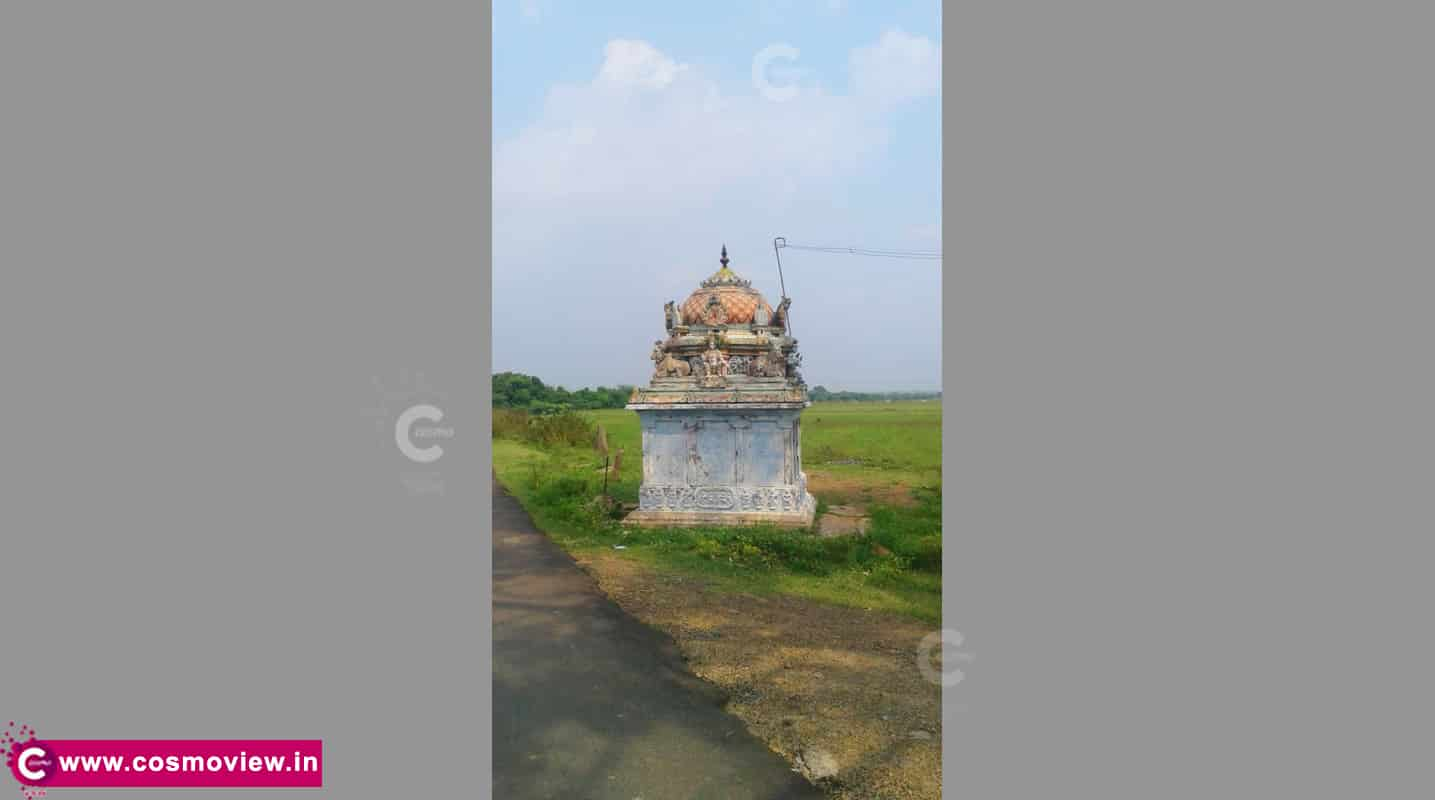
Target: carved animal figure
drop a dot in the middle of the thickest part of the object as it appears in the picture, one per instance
(671, 367)
(779, 317)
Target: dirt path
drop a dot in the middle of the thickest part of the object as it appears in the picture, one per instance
(831, 688)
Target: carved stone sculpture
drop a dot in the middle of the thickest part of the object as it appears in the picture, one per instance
(715, 314)
(794, 359)
(667, 366)
(775, 363)
(715, 364)
(674, 367)
(779, 317)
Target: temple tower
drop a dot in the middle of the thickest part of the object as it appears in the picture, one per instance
(722, 438)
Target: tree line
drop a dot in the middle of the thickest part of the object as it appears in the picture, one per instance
(516, 390)
(821, 394)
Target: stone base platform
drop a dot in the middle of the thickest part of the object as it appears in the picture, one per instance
(687, 519)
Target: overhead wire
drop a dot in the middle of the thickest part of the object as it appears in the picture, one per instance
(780, 243)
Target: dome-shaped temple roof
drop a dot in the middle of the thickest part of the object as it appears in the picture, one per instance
(724, 299)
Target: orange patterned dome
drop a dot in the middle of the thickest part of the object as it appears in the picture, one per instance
(724, 299)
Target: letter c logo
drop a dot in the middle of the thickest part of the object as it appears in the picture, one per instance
(402, 429)
(22, 763)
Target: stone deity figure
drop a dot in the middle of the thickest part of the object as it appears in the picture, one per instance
(671, 317)
(715, 364)
(715, 313)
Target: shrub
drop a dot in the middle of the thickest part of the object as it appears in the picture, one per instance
(888, 570)
(510, 423)
(566, 428)
(708, 548)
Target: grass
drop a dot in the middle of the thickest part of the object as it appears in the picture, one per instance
(895, 567)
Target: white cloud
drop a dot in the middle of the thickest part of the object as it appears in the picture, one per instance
(629, 63)
(897, 68)
(650, 135)
(619, 194)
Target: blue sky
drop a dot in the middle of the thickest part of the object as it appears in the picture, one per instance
(633, 140)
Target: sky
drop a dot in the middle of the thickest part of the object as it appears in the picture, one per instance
(632, 140)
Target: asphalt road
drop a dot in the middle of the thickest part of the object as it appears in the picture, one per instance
(590, 704)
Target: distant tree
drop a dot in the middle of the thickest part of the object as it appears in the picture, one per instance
(519, 391)
(823, 394)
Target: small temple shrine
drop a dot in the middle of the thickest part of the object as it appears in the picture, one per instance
(722, 440)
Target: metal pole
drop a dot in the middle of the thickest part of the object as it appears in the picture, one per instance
(777, 244)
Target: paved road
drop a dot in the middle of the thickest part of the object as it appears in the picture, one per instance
(590, 704)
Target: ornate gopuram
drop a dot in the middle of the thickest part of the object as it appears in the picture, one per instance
(722, 440)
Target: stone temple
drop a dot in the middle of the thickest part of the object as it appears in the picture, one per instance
(722, 442)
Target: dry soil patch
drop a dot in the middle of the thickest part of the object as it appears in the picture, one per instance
(857, 490)
(828, 687)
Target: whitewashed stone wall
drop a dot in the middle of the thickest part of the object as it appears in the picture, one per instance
(722, 460)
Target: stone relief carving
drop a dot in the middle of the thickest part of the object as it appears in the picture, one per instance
(665, 365)
(715, 313)
(715, 365)
(720, 498)
(675, 367)
(771, 364)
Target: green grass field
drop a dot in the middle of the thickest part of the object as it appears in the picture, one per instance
(884, 455)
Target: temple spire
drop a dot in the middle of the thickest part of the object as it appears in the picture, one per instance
(723, 260)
